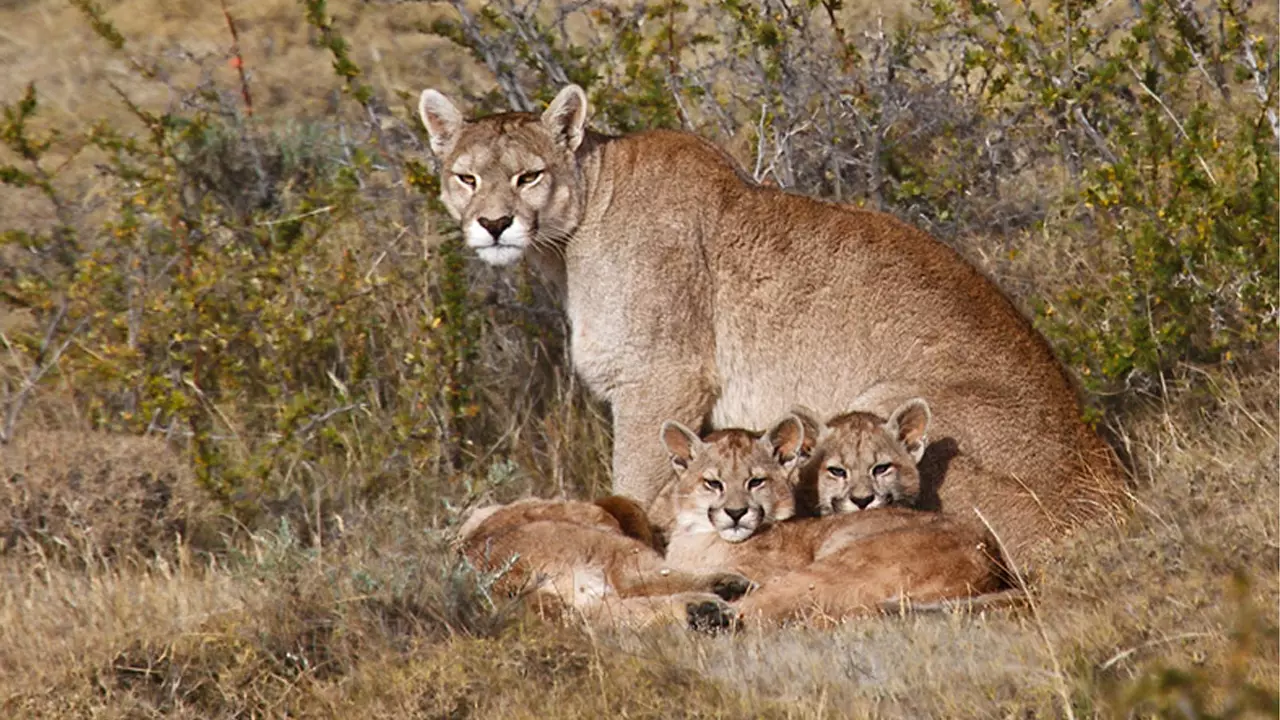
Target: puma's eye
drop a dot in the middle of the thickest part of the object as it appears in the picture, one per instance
(528, 179)
(881, 469)
(755, 483)
(713, 485)
(837, 472)
(468, 180)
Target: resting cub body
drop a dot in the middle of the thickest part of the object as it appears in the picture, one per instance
(595, 560)
(732, 490)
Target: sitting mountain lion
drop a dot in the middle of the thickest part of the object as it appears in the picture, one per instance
(694, 293)
(731, 493)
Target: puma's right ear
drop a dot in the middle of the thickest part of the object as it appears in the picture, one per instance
(910, 425)
(681, 443)
(566, 117)
(442, 119)
(786, 440)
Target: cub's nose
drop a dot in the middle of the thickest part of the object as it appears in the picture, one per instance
(495, 226)
(735, 514)
(862, 502)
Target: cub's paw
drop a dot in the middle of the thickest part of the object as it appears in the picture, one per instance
(731, 586)
(711, 616)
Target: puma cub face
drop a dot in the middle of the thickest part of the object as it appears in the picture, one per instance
(510, 182)
(861, 461)
(734, 482)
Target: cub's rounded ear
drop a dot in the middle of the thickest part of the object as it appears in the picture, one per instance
(786, 440)
(910, 425)
(442, 119)
(813, 428)
(682, 444)
(566, 117)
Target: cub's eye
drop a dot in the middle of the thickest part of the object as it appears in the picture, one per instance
(527, 179)
(755, 483)
(881, 469)
(837, 472)
(713, 485)
(465, 179)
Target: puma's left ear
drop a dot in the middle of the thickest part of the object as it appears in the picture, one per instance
(786, 440)
(566, 117)
(909, 424)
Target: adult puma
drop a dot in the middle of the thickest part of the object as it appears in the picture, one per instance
(594, 560)
(694, 293)
(731, 492)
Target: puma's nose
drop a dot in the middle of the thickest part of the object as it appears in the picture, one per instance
(735, 514)
(495, 226)
(862, 502)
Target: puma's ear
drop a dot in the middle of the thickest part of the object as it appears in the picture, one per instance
(566, 117)
(442, 120)
(813, 428)
(909, 424)
(786, 440)
(681, 443)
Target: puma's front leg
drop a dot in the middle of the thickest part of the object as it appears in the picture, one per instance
(640, 463)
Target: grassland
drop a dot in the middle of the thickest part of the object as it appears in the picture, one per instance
(132, 589)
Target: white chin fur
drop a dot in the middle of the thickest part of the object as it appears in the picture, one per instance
(736, 534)
(500, 255)
(508, 248)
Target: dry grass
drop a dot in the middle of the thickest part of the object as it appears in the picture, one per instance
(380, 620)
(49, 43)
(126, 593)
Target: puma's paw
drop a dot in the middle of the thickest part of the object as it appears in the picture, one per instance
(731, 586)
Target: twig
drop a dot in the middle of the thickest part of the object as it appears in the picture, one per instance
(38, 371)
(1035, 613)
(295, 218)
(1261, 84)
(1153, 643)
(1174, 118)
(237, 61)
(1098, 141)
(321, 418)
(517, 98)
(1002, 600)
(213, 408)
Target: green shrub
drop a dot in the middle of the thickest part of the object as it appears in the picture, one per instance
(248, 290)
(258, 290)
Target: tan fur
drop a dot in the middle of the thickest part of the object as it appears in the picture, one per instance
(574, 556)
(820, 568)
(694, 294)
(733, 468)
(862, 461)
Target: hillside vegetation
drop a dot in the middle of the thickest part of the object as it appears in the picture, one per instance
(250, 377)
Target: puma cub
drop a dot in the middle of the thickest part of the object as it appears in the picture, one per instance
(696, 294)
(595, 560)
(859, 460)
(731, 493)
